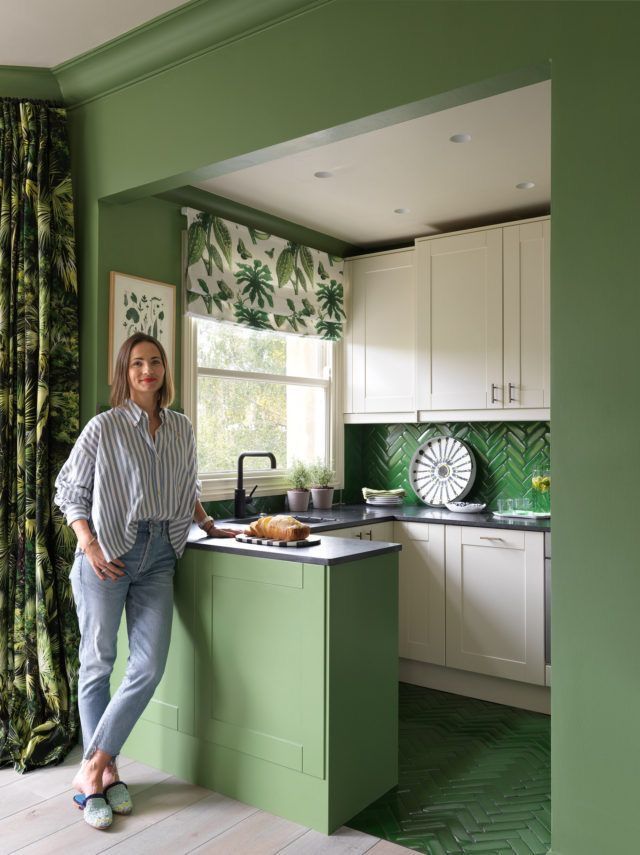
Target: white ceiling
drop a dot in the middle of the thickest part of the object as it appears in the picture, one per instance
(45, 33)
(412, 165)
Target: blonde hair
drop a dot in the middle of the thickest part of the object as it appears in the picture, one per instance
(120, 385)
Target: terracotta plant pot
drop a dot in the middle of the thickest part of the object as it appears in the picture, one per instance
(298, 500)
(322, 498)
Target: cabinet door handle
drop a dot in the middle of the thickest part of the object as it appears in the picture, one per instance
(493, 393)
(359, 534)
(369, 534)
(501, 539)
(512, 399)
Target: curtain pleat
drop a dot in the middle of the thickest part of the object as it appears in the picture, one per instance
(39, 420)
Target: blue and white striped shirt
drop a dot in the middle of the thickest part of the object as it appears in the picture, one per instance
(116, 476)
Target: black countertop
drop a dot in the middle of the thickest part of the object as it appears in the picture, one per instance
(338, 550)
(331, 550)
(349, 515)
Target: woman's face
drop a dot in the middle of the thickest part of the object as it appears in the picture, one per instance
(146, 371)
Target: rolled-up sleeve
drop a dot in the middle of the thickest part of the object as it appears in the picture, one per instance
(74, 484)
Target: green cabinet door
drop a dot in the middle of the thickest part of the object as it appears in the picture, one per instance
(260, 659)
(172, 705)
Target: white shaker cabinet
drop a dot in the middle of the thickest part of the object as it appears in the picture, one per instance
(373, 531)
(422, 591)
(526, 315)
(495, 602)
(483, 335)
(381, 334)
(460, 329)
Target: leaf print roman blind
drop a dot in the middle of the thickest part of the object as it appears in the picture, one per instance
(242, 275)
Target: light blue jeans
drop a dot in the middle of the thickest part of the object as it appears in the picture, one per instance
(145, 592)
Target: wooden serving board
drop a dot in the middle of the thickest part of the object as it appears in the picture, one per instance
(265, 541)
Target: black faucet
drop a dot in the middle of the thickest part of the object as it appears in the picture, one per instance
(239, 496)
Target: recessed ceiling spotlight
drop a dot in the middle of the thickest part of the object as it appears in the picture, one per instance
(460, 138)
(525, 185)
(323, 173)
(402, 210)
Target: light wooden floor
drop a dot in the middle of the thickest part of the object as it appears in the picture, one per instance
(37, 815)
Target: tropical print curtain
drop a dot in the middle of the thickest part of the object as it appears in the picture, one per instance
(38, 424)
(245, 276)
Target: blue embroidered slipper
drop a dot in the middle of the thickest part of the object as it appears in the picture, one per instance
(97, 813)
(118, 796)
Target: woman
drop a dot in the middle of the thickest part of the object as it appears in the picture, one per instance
(130, 492)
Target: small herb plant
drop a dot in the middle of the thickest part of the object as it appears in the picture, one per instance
(300, 477)
(320, 474)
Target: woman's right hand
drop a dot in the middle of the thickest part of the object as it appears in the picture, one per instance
(101, 567)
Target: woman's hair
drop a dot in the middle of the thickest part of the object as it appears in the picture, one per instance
(120, 384)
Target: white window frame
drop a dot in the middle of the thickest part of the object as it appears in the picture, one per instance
(220, 486)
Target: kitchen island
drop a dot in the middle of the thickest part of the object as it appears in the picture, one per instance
(281, 684)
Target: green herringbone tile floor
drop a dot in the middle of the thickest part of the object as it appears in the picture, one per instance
(474, 777)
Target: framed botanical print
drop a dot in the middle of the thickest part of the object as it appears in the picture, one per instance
(140, 305)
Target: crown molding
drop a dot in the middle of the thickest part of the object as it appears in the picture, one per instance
(183, 34)
(193, 197)
(22, 81)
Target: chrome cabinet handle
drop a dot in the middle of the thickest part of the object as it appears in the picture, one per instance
(493, 393)
(512, 399)
(501, 539)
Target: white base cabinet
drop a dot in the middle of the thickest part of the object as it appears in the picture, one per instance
(473, 599)
(374, 531)
(495, 602)
(422, 591)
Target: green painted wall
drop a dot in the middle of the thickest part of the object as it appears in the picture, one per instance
(141, 239)
(506, 453)
(349, 59)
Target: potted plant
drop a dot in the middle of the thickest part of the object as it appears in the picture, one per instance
(321, 477)
(299, 495)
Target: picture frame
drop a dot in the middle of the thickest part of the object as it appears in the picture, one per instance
(144, 305)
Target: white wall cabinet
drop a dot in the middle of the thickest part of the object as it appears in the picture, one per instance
(456, 329)
(495, 602)
(526, 315)
(422, 591)
(381, 365)
(460, 310)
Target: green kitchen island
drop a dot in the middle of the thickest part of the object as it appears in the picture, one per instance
(281, 687)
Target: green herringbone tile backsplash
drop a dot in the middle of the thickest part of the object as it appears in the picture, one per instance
(378, 456)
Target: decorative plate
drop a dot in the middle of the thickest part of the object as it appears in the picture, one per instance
(466, 507)
(442, 470)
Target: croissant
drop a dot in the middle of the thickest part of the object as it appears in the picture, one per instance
(280, 527)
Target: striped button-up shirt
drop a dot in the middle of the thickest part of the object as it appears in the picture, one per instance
(117, 475)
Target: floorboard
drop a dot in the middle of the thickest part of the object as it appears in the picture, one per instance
(38, 817)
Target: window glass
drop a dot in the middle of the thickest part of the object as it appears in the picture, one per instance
(236, 414)
(236, 348)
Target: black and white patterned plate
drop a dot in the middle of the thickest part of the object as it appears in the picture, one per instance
(442, 470)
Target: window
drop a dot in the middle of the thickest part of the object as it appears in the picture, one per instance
(252, 390)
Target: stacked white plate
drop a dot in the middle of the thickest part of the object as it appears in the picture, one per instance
(384, 500)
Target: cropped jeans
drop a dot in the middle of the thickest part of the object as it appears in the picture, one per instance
(145, 592)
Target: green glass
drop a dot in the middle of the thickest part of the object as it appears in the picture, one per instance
(541, 484)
